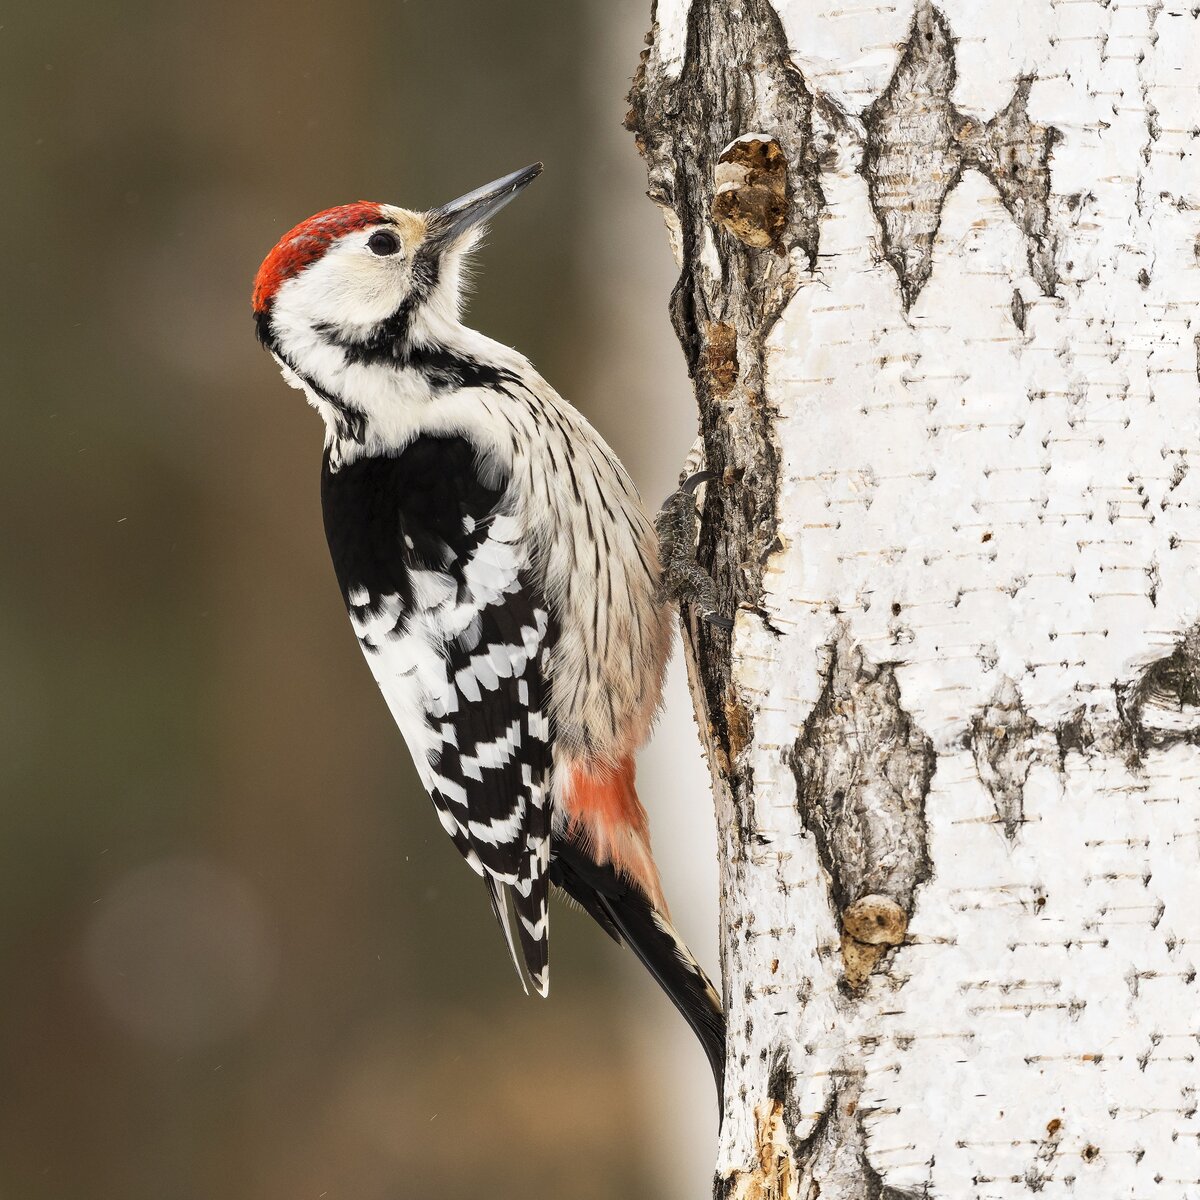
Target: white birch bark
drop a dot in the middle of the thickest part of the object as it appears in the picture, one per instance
(940, 298)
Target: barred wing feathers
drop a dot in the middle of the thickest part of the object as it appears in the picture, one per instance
(442, 597)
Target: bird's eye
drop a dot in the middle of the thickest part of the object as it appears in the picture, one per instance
(383, 243)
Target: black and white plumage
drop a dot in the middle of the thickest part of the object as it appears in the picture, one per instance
(499, 573)
(438, 585)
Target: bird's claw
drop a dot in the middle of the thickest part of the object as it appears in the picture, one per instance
(683, 580)
(692, 482)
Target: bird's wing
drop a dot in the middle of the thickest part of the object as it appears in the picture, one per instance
(437, 577)
(490, 764)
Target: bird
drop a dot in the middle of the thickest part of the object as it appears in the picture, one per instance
(499, 571)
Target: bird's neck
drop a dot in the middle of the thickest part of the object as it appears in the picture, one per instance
(377, 393)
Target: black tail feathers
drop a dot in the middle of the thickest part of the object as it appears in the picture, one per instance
(624, 912)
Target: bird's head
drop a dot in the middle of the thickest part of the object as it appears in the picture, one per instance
(368, 274)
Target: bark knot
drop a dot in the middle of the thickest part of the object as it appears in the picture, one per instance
(871, 926)
(719, 358)
(751, 192)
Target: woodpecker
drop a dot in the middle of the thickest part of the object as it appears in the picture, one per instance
(499, 571)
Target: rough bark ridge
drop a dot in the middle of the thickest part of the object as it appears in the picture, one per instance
(729, 153)
(939, 294)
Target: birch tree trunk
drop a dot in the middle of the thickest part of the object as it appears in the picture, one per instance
(940, 301)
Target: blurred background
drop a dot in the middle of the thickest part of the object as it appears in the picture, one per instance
(238, 957)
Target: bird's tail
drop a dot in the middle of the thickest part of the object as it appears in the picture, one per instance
(622, 909)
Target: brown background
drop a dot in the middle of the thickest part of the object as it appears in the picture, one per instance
(238, 958)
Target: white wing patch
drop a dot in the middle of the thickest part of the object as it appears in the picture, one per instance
(462, 669)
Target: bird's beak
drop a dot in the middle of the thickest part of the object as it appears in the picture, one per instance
(451, 221)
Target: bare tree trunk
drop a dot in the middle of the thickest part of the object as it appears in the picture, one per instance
(940, 300)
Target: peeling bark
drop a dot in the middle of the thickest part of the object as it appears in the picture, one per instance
(939, 296)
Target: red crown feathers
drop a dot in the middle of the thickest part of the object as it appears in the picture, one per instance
(307, 242)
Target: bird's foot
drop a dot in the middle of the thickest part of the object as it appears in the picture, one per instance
(683, 579)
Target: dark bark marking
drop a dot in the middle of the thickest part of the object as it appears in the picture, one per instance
(1001, 738)
(1014, 154)
(790, 1165)
(777, 1148)
(837, 1148)
(783, 1087)
(1157, 710)
(1017, 308)
(1161, 708)
(1039, 1172)
(918, 144)
(862, 770)
(912, 158)
(1179, 473)
(1075, 735)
